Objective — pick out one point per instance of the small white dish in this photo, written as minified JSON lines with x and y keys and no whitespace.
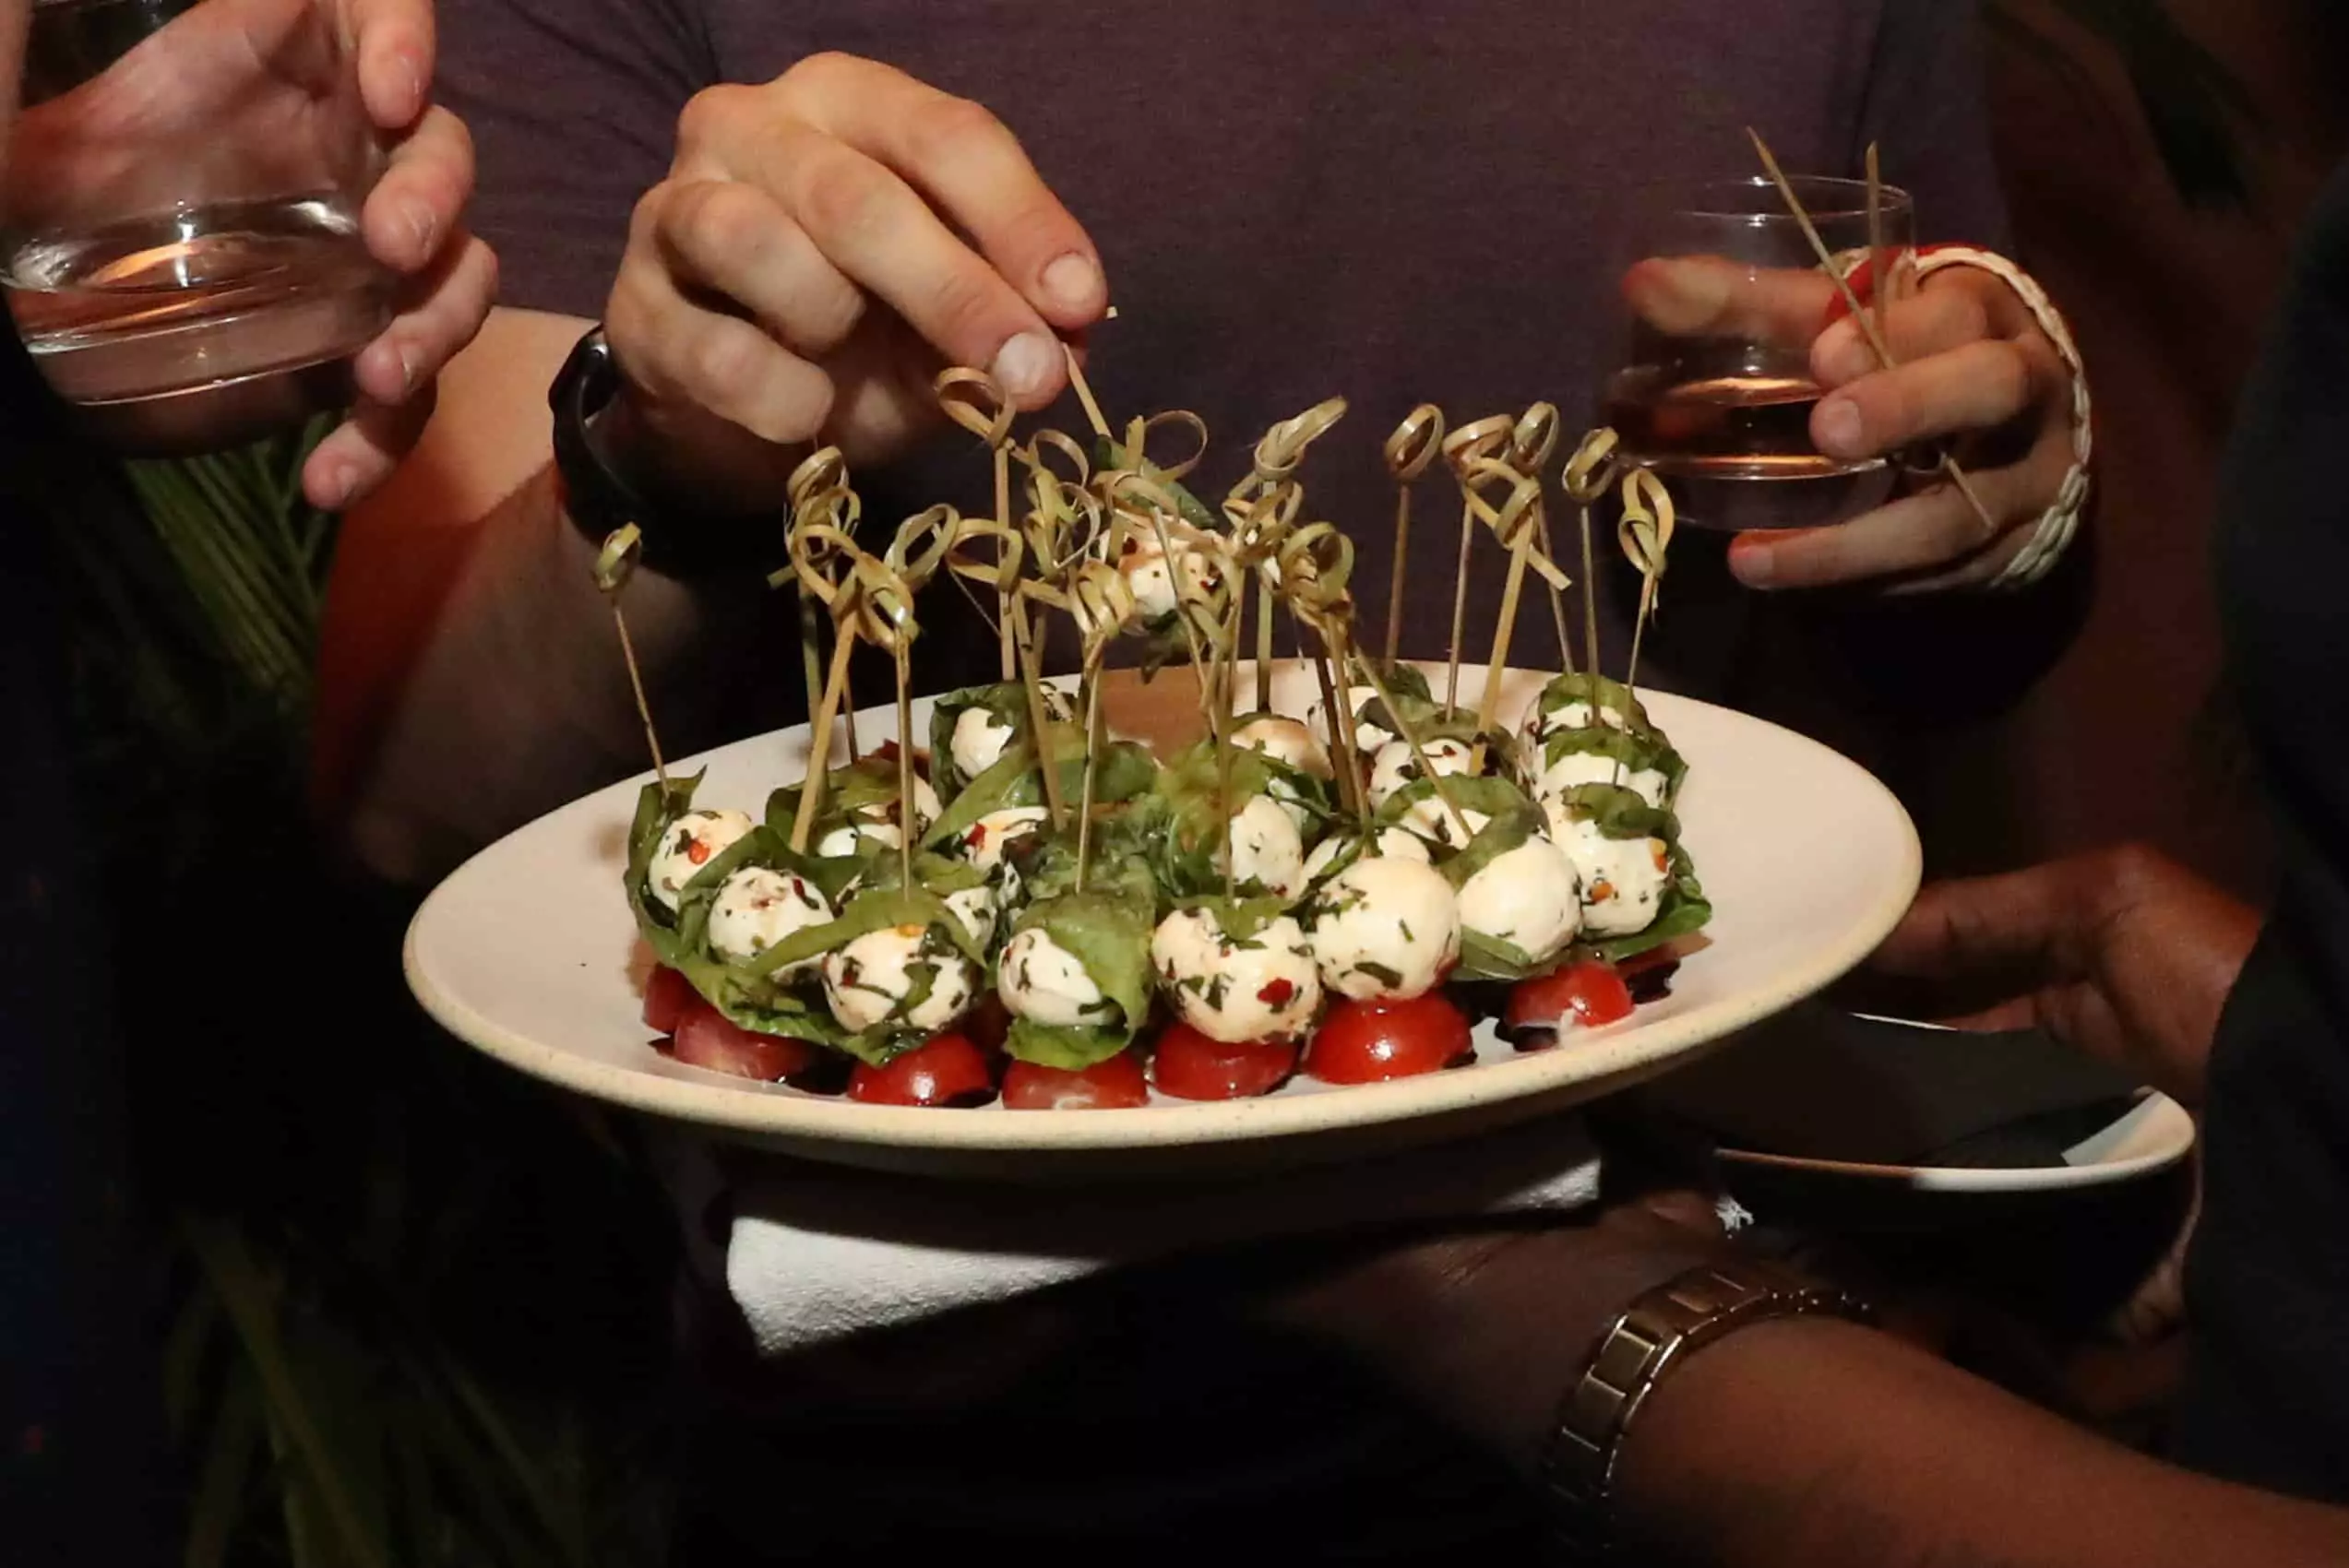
{"x":2153,"y":1134}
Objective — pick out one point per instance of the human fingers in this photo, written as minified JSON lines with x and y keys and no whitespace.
{"x":1933,"y":321}
{"x":881,"y":232}
{"x":1708,"y":297}
{"x":361,"y":452}
{"x":963,"y":159}
{"x":446,"y":313}
{"x":684,"y":352}
{"x":420,"y":201}
{"x":726,"y":238}
{"x":394,"y":40}
{"x":1986,"y":385}
{"x":2038,"y":926}
{"x":1913,"y":540}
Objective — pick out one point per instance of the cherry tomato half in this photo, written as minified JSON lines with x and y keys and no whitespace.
{"x":1368,"y":1042}
{"x":1115,"y":1085}
{"x":943,"y":1070}
{"x":705,"y":1039}
{"x":1588,"y":992}
{"x":668,"y":996}
{"x":1189,"y":1066}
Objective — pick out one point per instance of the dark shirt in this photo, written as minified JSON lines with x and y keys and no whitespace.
{"x":1397,"y":203}
{"x":81,"y":1472}
{"x":2268,"y":1283}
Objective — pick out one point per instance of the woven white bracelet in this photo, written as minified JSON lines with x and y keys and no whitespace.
{"x":2054,"y":532}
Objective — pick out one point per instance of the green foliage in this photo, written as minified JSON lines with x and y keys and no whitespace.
{"x":420,"y":1305}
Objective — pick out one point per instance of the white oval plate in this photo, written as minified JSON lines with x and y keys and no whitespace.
{"x":529,"y":953}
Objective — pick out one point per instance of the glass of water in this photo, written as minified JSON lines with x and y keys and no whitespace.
{"x":180,"y":216}
{"x":1724,"y":298}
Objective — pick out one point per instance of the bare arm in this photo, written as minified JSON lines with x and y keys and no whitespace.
{"x":472,"y":676}
{"x":1812,"y":1444}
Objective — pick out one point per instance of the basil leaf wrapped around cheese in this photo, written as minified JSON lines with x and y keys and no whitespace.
{"x":971,"y":730}
{"x":1639,"y":889}
{"x":1075,"y":976}
{"x":753,"y":994}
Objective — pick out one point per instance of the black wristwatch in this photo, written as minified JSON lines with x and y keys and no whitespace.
{"x":678,"y":541}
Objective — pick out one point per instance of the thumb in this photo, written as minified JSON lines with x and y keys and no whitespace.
{"x":2030,"y":928}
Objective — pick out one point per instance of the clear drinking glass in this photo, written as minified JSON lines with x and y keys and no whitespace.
{"x":1724,"y":298}
{"x":179,"y":223}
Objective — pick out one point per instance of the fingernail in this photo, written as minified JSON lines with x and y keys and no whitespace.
{"x":426,"y":225}
{"x":406,"y":357}
{"x":1837,"y":425}
{"x":1751,"y":563}
{"x":1024,"y":366}
{"x":1072,"y":282}
{"x":341,"y":479}
{"x":411,"y":71}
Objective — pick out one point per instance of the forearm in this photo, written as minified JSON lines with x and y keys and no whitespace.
{"x":515,"y":698}
{"x":1828,"y":1445}
{"x":1801,"y":1442}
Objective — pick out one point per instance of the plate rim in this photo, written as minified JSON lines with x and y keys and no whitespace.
{"x":2152,"y":1103}
{"x":813,"y":1122}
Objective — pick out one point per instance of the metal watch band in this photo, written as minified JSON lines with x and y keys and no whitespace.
{"x":1656,"y":1331}
{"x":676,"y":543}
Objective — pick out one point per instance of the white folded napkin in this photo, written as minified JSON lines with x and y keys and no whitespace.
{"x":815,"y":1254}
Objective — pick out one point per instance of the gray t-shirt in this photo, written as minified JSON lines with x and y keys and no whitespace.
{"x":1401,"y":204}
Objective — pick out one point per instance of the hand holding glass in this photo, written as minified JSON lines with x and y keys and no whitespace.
{"x":183,"y":254}
{"x":1714,"y":389}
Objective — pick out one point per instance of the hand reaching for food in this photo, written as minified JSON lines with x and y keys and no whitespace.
{"x":822,"y":245}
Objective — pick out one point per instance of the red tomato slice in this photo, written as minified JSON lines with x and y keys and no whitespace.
{"x":705,"y":1039}
{"x":1368,"y":1042}
{"x":1189,"y":1066}
{"x":1589,"y":993}
{"x":943,"y":1070}
{"x":1115,"y":1085}
{"x":668,"y":997}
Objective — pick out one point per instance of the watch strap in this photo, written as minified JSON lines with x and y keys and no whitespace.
{"x":1656,"y":1333}
{"x":678,"y":541}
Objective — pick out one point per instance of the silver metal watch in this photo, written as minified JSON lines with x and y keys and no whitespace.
{"x":1654,"y":1333}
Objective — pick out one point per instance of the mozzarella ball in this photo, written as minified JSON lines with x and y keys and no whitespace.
{"x":1394,"y":764}
{"x":1386,"y":928}
{"x":1578,"y":715}
{"x":1323,"y":861}
{"x":1287,"y":740}
{"x":688,"y":844}
{"x":1368,"y":737}
{"x":1529,"y":898}
{"x":978,"y":741}
{"x":977,"y":909}
{"x":1431,"y":821}
{"x":1289,"y":797}
{"x":758,"y":907}
{"x":1044,"y":982}
{"x":984,"y":842}
{"x":1624,"y":880}
{"x":1266,"y":848}
{"x":1266,"y":990}
{"x":867,"y":982}
{"x":1148,"y":578}
{"x":1591,"y":768}
{"x":860,"y":837}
